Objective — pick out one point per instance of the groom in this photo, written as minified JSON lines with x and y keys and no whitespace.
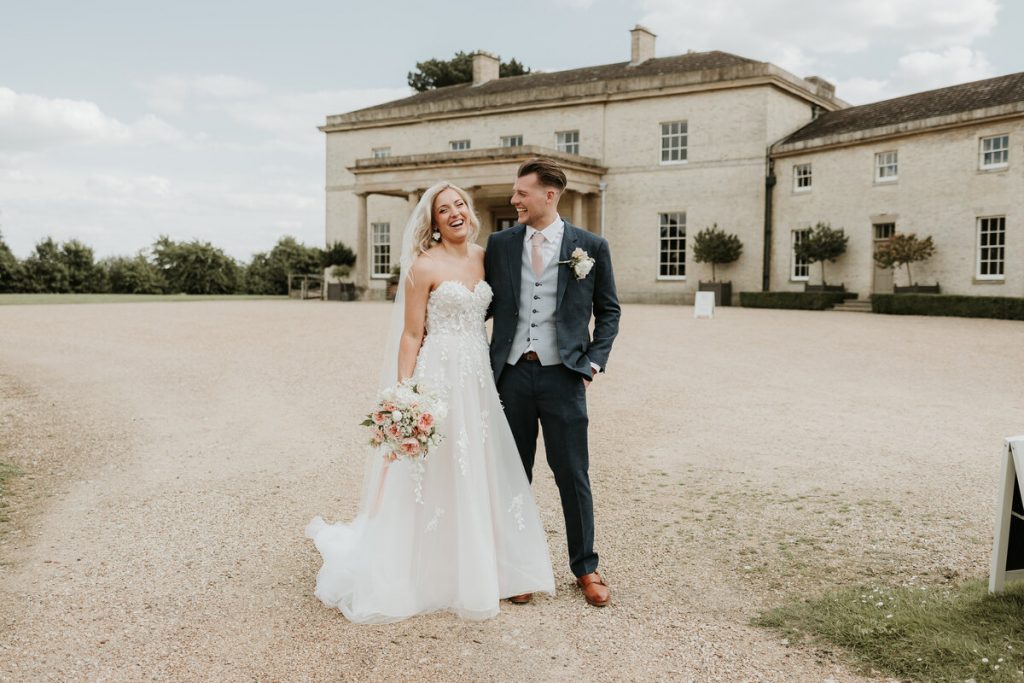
{"x":548,"y":278}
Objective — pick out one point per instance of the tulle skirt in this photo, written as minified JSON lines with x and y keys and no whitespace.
{"x":458,"y":531}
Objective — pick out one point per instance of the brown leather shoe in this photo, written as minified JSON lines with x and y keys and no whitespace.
{"x":595,"y":590}
{"x":521,"y":599}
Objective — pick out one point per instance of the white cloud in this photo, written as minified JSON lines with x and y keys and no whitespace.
{"x":936,"y":69}
{"x":171,"y":94}
{"x":290,"y":118}
{"x":254,"y":176}
{"x":934,"y":37}
{"x":773,"y":30}
{"x":32,"y":122}
{"x":919,"y":71}
{"x":858,"y":90}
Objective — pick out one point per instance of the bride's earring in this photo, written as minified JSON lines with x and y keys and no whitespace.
{"x":436,"y":235}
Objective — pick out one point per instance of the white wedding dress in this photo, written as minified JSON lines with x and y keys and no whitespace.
{"x":460,"y":530}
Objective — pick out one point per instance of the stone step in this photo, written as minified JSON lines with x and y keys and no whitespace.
{"x":854,"y":307}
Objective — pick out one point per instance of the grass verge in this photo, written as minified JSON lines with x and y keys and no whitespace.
{"x":34,"y":299}
{"x":923,"y":633}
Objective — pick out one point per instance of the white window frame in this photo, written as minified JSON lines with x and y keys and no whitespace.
{"x":511,"y":141}
{"x":875,"y":230}
{"x":795,"y":266}
{"x":381,"y":152}
{"x":999,"y":230}
{"x":886,"y":160}
{"x":674,"y":141}
{"x":567,"y":141}
{"x":1003,"y":151}
{"x":380,"y":238}
{"x":458,"y":145}
{"x":803,"y":172}
{"x":663,"y":222}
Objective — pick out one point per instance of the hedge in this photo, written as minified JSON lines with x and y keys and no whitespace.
{"x":808,"y":301}
{"x":1001,"y":307}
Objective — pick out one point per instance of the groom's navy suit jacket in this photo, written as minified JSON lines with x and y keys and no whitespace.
{"x":577,"y":300}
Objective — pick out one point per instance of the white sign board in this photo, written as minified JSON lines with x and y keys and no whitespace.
{"x":1008,"y":546}
{"x":704,"y":305}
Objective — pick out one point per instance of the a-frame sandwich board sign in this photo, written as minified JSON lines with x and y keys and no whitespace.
{"x":1008,"y":546}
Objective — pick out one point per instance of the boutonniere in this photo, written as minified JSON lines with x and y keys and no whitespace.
{"x":580,"y":262}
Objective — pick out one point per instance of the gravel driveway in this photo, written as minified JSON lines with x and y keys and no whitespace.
{"x":173,"y":453}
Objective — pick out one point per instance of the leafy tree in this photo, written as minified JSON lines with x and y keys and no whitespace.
{"x":715,"y":246}
{"x":438,"y":73}
{"x":902,"y":250}
{"x":260,"y":277}
{"x":45,"y":270}
{"x":822,"y":244}
{"x":196,"y":267}
{"x":268,"y":273}
{"x":133,"y":275}
{"x":84,"y":275}
{"x":338,"y":254}
{"x":10,"y":269}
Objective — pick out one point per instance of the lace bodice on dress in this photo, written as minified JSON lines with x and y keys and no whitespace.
{"x":454,"y":309}
{"x":455,"y":348}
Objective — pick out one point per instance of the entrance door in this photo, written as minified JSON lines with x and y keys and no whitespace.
{"x":882,"y":282}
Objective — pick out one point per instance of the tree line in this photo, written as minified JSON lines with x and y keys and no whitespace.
{"x":168,"y":267}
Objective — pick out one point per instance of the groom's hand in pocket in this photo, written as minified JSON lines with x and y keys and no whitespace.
{"x":586,"y":382}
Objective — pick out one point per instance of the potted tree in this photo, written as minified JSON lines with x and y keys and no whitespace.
{"x":344,"y":288}
{"x":823,"y":243}
{"x":902,"y":250}
{"x":717,"y":247}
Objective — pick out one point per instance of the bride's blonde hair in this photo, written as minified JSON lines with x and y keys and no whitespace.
{"x":421,"y":222}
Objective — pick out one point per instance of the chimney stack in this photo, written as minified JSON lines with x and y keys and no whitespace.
{"x":485,"y":67}
{"x":641,"y":42}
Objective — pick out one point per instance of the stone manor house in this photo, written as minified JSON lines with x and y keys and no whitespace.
{"x":657,"y":148}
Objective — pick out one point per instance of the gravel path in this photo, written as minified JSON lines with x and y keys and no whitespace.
{"x":173,"y":453}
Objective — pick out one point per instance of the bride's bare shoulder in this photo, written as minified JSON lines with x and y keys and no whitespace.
{"x":424,"y":267}
{"x":477,"y":251}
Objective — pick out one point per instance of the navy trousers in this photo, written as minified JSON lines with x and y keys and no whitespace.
{"x":554,"y":397}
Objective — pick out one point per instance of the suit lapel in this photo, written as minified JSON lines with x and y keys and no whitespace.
{"x":514,"y":257}
{"x":568,"y":244}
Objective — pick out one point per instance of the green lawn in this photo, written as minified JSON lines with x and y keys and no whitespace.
{"x":34,"y":299}
{"x":922,"y":633}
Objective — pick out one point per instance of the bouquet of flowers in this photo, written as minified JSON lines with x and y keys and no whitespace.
{"x":405,"y":421}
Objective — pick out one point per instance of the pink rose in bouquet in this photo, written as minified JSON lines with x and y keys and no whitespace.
{"x":404,"y":422}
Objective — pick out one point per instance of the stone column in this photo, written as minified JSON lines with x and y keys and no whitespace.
{"x":475,"y":196}
{"x":578,"y":218}
{"x":363,"y":258}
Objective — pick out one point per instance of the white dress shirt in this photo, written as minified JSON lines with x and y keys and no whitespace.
{"x":552,"y":240}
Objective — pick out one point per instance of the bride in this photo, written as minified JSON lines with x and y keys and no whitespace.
{"x":460,"y":530}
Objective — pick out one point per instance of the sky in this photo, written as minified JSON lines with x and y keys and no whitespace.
{"x":124,"y":120}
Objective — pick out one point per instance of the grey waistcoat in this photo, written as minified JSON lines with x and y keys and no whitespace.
{"x":536,"y":324}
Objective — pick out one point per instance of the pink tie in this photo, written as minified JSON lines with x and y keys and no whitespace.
{"x":536,"y":256}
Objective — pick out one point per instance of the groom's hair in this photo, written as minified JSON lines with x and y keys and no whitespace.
{"x":549,"y":173}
